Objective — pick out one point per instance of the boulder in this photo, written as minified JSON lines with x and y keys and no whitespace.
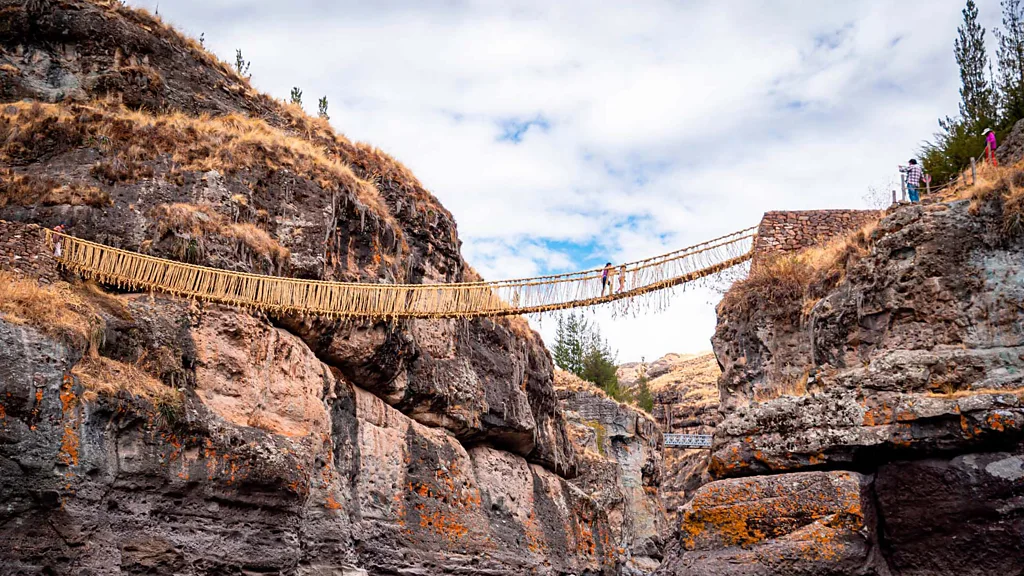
{"x":812,"y":523}
{"x":963,"y":515}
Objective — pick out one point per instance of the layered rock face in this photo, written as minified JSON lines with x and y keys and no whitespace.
{"x":903,"y":384}
{"x":275,"y":463}
{"x":621,"y":467}
{"x":296,"y":445}
{"x":257,"y":187}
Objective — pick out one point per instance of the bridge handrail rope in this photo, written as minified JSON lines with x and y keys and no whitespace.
{"x":471,"y":299}
{"x":630,"y":266}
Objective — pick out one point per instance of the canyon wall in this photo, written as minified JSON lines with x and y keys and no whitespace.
{"x":872,"y":417}
{"x":685,"y":391}
{"x":145,"y":434}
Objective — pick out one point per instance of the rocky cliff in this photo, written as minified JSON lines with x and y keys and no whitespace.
{"x":872,"y":404}
{"x":144,"y":434}
{"x":685,"y":390}
{"x":621,"y":466}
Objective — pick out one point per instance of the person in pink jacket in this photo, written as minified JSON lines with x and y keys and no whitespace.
{"x":990,"y":146}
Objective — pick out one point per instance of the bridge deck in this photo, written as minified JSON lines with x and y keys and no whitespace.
{"x":623,"y":283}
{"x":687,"y":440}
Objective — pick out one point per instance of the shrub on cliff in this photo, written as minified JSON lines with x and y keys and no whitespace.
{"x":789,"y":285}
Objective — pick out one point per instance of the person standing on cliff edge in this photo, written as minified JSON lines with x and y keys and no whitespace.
{"x":990,"y":146}
{"x":914,"y":174}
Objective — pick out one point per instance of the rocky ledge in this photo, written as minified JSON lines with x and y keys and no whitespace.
{"x":872,"y":421}
{"x":267,"y":460}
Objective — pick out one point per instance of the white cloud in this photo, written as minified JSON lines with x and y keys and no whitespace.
{"x":664,"y":123}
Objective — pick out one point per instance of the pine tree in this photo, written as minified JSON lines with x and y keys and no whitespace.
{"x":599,"y":365}
{"x":570,"y":343}
{"x":977,"y":101}
{"x":960,"y":138}
{"x":241,"y":65}
{"x":642,"y":395}
{"x":297,"y":95}
{"x":322,"y":109}
{"x":1010,"y":57}
{"x":580,"y":349}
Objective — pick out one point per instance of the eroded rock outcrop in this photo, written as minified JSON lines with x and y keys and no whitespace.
{"x":802,"y":523}
{"x":308,"y":473}
{"x":276,"y":444}
{"x":255,"y":187}
{"x":919,"y":350}
{"x":896,"y":374}
{"x":621,"y":468}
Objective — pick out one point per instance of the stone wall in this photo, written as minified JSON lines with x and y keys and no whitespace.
{"x":23,"y":250}
{"x":790,"y":231}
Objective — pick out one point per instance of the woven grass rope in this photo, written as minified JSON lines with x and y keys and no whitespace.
{"x":136,"y":271}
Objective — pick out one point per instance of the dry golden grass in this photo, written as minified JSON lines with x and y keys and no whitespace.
{"x":101,"y":376}
{"x":257,"y":241}
{"x":518,"y":326}
{"x":1001,"y":188}
{"x":153,"y":23}
{"x":790,"y":284}
{"x":470,"y":274}
{"x":954,"y":394}
{"x":55,"y":309}
{"x":183,"y":218}
{"x":698,"y":376}
{"x":10,"y":69}
{"x":374,"y":165}
{"x":567,"y":381}
{"x":572,"y":383}
{"x":131,"y":138}
{"x":26,"y":190}
{"x":71,"y":314}
{"x":198,"y":220}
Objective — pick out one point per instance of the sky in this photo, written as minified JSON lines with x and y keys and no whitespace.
{"x":563,"y":134}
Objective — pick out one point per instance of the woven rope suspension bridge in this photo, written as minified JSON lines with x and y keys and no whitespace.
{"x":132,"y":270}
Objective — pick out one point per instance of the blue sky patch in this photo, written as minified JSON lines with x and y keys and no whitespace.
{"x":514,"y":129}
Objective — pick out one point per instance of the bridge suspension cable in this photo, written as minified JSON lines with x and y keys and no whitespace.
{"x":343,"y":299}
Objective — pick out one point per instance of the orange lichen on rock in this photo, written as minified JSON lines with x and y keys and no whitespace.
{"x":811,"y":507}
{"x":331,"y":503}
{"x":446,"y":525}
{"x":996,"y":422}
{"x":68,"y":405}
{"x":534,"y":536}
{"x":878,"y":415}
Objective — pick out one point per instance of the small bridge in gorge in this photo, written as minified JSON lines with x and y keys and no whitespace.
{"x":687,"y":440}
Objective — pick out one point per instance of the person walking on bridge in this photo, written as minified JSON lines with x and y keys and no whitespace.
{"x":622,"y":278}
{"x":914,"y":173}
{"x":990,"y":146}
{"x":58,"y":248}
{"x":606,"y":279}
